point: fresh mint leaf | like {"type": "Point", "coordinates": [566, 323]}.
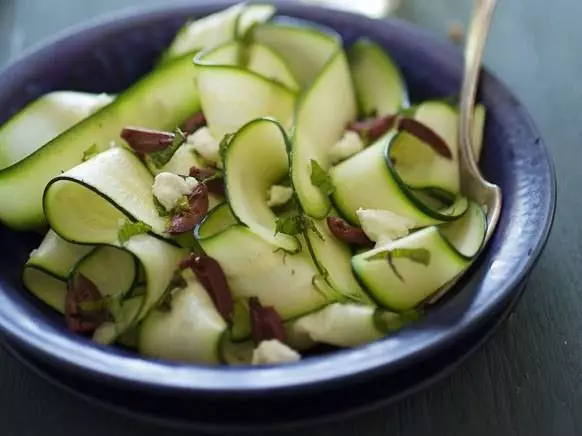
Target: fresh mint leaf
{"type": "Point", "coordinates": [162, 157]}
{"type": "Point", "coordinates": [417, 255]}
{"type": "Point", "coordinates": [129, 229]}
{"type": "Point", "coordinates": [92, 151]}
{"type": "Point", "coordinates": [183, 205]}
{"type": "Point", "coordinates": [160, 208]}
{"type": "Point", "coordinates": [295, 224]}
{"type": "Point", "coordinates": [320, 179]}
{"type": "Point", "coordinates": [288, 225]}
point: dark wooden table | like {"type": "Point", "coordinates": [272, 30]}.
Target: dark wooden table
{"type": "Point", "coordinates": [528, 379]}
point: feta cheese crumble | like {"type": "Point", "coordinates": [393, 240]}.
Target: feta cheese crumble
{"type": "Point", "coordinates": [278, 195]}
{"type": "Point", "coordinates": [274, 351]}
{"type": "Point", "coordinates": [206, 145]}
{"type": "Point", "coordinates": [168, 188]}
{"type": "Point", "coordinates": [383, 226]}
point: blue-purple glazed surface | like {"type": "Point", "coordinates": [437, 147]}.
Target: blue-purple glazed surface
{"type": "Point", "coordinates": [110, 54]}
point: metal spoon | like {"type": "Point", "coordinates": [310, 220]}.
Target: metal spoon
{"type": "Point", "coordinates": [473, 185]}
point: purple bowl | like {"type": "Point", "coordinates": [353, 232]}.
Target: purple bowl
{"type": "Point", "coordinates": [111, 53]}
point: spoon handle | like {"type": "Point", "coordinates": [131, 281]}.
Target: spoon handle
{"type": "Point", "coordinates": [475, 46]}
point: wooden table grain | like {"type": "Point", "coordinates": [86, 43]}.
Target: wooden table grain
{"type": "Point", "coordinates": [527, 380]}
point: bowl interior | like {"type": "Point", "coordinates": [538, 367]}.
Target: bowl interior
{"type": "Point", "coordinates": [109, 55]}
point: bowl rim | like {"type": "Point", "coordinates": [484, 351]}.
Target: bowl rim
{"type": "Point", "coordinates": [122, 369]}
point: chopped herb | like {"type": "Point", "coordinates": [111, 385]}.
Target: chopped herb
{"type": "Point", "coordinates": [320, 179]}
{"type": "Point", "coordinates": [295, 224]}
{"type": "Point", "coordinates": [288, 225]}
{"type": "Point", "coordinates": [182, 206]}
{"type": "Point", "coordinates": [162, 157]}
{"type": "Point", "coordinates": [160, 208]}
{"type": "Point", "coordinates": [92, 151]}
{"type": "Point", "coordinates": [129, 229]}
{"type": "Point", "coordinates": [417, 255]}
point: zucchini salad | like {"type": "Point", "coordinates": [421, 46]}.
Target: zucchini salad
{"type": "Point", "coordinates": [263, 192]}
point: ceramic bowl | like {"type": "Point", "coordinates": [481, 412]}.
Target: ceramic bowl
{"type": "Point", "coordinates": [109, 54]}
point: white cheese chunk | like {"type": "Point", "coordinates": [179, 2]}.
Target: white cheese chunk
{"type": "Point", "coordinates": [168, 188]}
{"type": "Point", "coordinates": [274, 351]}
{"type": "Point", "coordinates": [347, 146]}
{"type": "Point", "coordinates": [383, 226]}
{"type": "Point", "coordinates": [278, 195]}
{"type": "Point", "coordinates": [206, 145]}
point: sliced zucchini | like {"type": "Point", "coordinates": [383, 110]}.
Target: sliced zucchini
{"type": "Point", "coordinates": [342, 325]}
{"type": "Point", "coordinates": [49, 289]}
{"type": "Point", "coordinates": [288, 282]}
{"type": "Point", "coordinates": [217, 220]}
{"type": "Point", "coordinates": [417, 164]}
{"type": "Point", "coordinates": [161, 100]}
{"type": "Point", "coordinates": [57, 256]}
{"type": "Point", "coordinates": [114, 271]}
{"type": "Point", "coordinates": [232, 95]}
{"type": "Point", "coordinates": [50, 266]}
{"type": "Point", "coordinates": [47, 269]}
{"type": "Point", "coordinates": [159, 260]}
{"type": "Point", "coordinates": [44, 119]}
{"type": "Point", "coordinates": [306, 48]}
{"type": "Point", "coordinates": [87, 204]}
{"type": "Point", "coordinates": [379, 84]}
{"type": "Point", "coordinates": [466, 234]}
{"type": "Point", "coordinates": [257, 58]}
{"type": "Point", "coordinates": [112, 186]}
{"type": "Point", "coordinates": [268, 63]}
{"type": "Point", "coordinates": [189, 332]}
{"type": "Point", "coordinates": [403, 273]}
{"type": "Point", "coordinates": [333, 258]}
{"type": "Point", "coordinates": [367, 181]}
{"type": "Point", "coordinates": [125, 316]}
{"type": "Point", "coordinates": [322, 115]}
{"type": "Point", "coordinates": [210, 31]}
{"type": "Point", "coordinates": [248, 179]}
{"type": "Point", "coordinates": [253, 15]}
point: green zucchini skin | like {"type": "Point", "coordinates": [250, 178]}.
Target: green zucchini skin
{"type": "Point", "coordinates": [404, 284]}
{"type": "Point", "coordinates": [378, 82]}
{"type": "Point", "coordinates": [162, 100]}
{"type": "Point", "coordinates": [247, 179]}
